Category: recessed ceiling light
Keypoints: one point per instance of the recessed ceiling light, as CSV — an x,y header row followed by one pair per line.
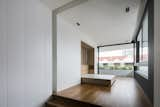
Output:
x,y
127,9
78,24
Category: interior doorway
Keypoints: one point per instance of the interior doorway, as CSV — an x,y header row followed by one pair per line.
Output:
x,y
87,58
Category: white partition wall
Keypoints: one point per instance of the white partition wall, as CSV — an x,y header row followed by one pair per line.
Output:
x,y
25,53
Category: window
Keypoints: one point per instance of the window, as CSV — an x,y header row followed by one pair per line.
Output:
x,y
116,58
142,64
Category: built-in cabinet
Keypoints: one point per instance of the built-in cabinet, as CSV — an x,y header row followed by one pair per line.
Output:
x,y
87,59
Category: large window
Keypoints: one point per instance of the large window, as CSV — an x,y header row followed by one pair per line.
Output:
x,y
142,40
116,58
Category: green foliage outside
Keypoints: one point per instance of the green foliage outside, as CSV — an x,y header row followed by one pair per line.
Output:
x,y
117,66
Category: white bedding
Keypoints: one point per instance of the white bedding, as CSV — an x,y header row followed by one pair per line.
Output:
x,y
98,76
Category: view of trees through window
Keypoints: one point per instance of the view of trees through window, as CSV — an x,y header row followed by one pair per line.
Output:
x,y
116,57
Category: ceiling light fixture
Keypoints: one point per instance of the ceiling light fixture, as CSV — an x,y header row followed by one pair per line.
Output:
x,y
78,24
127,9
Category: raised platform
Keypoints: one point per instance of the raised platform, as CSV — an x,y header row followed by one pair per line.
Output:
x,y
96,79
60,101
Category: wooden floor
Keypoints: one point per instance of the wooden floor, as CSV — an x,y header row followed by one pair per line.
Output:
x,y
125,92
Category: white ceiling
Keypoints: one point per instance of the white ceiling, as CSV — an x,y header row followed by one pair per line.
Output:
x,y
53,4
105,21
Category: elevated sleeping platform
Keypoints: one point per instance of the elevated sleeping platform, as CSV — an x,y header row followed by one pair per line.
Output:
x,y
96,79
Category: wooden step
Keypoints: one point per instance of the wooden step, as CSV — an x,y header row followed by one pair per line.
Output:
x,y
59,101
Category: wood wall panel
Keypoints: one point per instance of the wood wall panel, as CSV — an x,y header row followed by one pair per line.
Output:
x,y
87,59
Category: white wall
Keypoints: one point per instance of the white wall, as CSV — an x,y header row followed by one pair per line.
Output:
x,y
3,55
157,53
69,54
25,53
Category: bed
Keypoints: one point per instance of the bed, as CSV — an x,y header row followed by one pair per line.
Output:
x,y
97,79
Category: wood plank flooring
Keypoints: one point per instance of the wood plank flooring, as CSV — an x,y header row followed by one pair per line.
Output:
x,y
125,92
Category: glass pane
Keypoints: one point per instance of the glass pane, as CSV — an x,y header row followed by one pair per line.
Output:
x,y
116,58
143,49
145,39
140,45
